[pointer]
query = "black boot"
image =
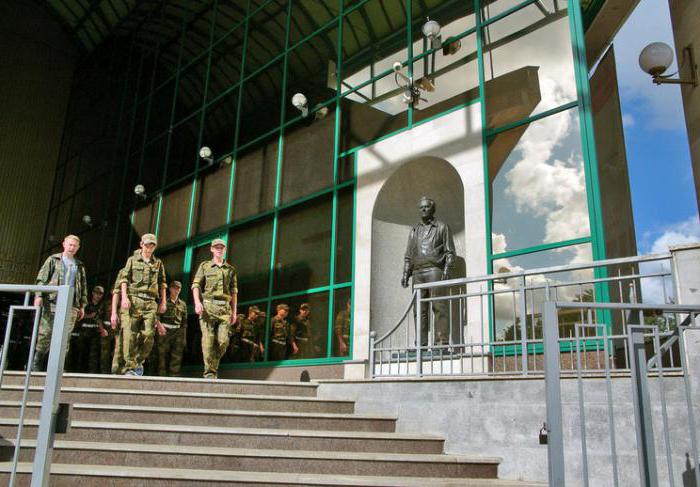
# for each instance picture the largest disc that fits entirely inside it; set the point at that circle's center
(38, 362)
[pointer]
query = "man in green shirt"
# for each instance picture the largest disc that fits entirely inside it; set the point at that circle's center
(142, 283)
(89, 338)
(303, 333)
(341, 330)
(249, 333)
(171, 344)
(59, 269)
(215, 293)
(280, 335)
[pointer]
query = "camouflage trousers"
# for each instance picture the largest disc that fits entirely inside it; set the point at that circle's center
(118, 350)
(107, 348)
(170, 348)
(215, 327)
(88, 350)
(43, 341)
(138, 330)
(246, 352)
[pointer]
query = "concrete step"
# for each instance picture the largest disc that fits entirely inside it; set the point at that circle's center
(69, 475)
(223, 386)
(164, 434)
(141, 397)
(212, 417)
(261, 460)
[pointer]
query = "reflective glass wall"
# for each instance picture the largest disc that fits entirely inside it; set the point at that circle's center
(280, 184)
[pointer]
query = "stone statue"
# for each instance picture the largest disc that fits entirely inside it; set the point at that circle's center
(430, 255)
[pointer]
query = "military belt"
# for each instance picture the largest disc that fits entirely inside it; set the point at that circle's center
(216, 301)
(106, 322)
(251, 342)
(278, 342)
(145, 296)
(75, 334)
(170, 326)
(346, 336)
(301, 339)
(89, 325)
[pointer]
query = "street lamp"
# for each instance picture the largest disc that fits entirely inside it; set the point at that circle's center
(656, 58)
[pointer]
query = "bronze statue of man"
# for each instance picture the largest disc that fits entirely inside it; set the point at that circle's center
(430, 254)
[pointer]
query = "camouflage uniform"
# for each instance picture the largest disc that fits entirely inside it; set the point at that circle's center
(88, 348)
(172, 344)
(53, 273)
(279, 338)
(217, 285)
(249, 334)
(342, 328)
(107, 342)
(301, 331)
(145, 281)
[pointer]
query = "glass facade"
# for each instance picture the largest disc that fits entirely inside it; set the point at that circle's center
(281, 187)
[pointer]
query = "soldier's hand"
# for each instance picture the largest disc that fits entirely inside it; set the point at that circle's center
(81, 314)
(38, 301)
(404, 281)
(343, 349)
(162, 307)
(198, 308)
(114, 319)
(161, 329)
(103, 332)
(262, 349)
(295, 348)
(445, 275)
(233, 318)
(126, 304)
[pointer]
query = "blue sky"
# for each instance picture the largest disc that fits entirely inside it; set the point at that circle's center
(663, 194)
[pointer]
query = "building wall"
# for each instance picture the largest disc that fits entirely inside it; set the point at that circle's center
(35, 79)
(685, 17)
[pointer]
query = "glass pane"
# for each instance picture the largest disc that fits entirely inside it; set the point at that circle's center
(538, 186)
(145, 218)
(161, 109)
(213, 199)
(255, 181)
(307, 163)
(311, 70)
(506, 304)
(139, 127)
(146, 74)
(175, 215)
(184, 150)
(225, 65)
(229, 14)
(346, 168)
(243, 351)
(342, 322)
(249, 250)
(193, 350)
(153, 165)
(260, 106)
(303, 246)
(376, 110)
(528, 63)
(220, 124)
(197, 27)
(309, 15)
(266, 39)
(199, 255)
(190, 91)
(343, 236)
(310, 331)
(173, 262)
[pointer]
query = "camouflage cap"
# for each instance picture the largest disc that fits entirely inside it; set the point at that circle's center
(282, 306)
(98, 289)
(218, 241)
(149, 238)
(177, 284)
(253, 309)
(305, 306)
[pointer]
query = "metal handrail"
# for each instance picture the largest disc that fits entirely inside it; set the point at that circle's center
(398, 323)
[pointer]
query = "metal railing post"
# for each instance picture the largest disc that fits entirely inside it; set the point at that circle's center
(522, 311)
(41, 469)
(372, 338)
(642, 407)
(419, 338)
(552, 377)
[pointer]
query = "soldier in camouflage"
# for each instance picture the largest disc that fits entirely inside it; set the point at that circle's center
(89, 339)
(171, 343)
(341, 330)
(280, 336)
(59, 269)
(250, 336)
(302, 332)
(141, 284)
(215, 293)
(115, 318)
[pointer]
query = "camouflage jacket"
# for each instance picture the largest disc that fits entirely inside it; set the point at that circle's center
(53, 273)
(175, 313)
(248, 329)
(279, 329)
(342, 323)
(216, 282)
(143, 277)
(301, 327)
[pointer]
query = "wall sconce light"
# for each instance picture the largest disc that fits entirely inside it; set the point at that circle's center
(87, 220)
(431, 30)
(411, 95)
(658, 56)
(206, 155)
(300, 103)
(140, 191)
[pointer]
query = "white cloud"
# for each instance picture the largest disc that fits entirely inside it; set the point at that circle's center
(628, 120)
(683, 232)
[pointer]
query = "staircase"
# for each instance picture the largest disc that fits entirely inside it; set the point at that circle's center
(183, 432)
